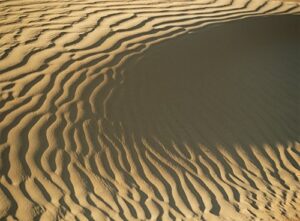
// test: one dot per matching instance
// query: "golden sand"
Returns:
(149, 110)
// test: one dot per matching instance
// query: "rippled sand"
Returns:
(149, 110)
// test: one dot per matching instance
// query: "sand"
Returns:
(149, 110)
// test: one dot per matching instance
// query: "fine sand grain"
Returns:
(149, 110)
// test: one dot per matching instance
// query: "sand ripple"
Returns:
(149, 110)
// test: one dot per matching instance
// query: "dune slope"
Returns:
(149, 110)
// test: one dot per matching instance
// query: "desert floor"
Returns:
(150, 110)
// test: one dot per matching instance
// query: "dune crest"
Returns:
(149, 110)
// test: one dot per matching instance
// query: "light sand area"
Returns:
(149, 110)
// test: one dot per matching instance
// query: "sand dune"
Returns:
(149, 110)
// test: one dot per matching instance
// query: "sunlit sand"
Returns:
(149, 110)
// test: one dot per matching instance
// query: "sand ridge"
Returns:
(95, 124)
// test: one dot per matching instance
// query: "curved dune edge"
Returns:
(87, 135)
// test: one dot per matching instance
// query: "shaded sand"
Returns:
(139, 110)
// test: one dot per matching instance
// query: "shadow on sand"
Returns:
(232, 83)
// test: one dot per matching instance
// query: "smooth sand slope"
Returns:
(149, 110)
